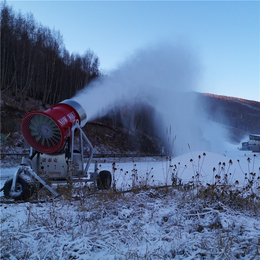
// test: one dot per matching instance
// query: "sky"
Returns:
(224, 35)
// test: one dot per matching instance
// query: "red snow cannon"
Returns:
(48, 131)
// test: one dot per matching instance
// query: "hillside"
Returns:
(240, 117)
(235, 112)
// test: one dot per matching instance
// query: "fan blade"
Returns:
(56, 137)
(38, 138)
(53, 126)
(32, 127)
(52, 142)
(34, 121)
(47, 141)
(43, 141)
(45, 120)
(34, 133)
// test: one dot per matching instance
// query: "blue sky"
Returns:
(224, 35)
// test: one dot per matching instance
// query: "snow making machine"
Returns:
(57, 152)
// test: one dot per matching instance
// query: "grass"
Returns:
(122, 226)
(223, 187)
(146, 222)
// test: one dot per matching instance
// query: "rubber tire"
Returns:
(24, 192)
(104, 180)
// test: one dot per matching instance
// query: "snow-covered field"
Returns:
(165, 223)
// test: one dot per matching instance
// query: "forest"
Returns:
(35, 62)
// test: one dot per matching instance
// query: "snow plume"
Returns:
(163, 76)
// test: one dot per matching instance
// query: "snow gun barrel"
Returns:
(47, 131)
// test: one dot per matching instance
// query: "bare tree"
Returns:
(34, 61)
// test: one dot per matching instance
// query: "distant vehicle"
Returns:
(253, 144)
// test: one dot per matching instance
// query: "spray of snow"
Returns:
(165, 77)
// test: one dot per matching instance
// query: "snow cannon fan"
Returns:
(47, 131)
(50, 160)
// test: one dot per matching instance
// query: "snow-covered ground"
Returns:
(166, 223)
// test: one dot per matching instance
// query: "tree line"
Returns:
(35, 63)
